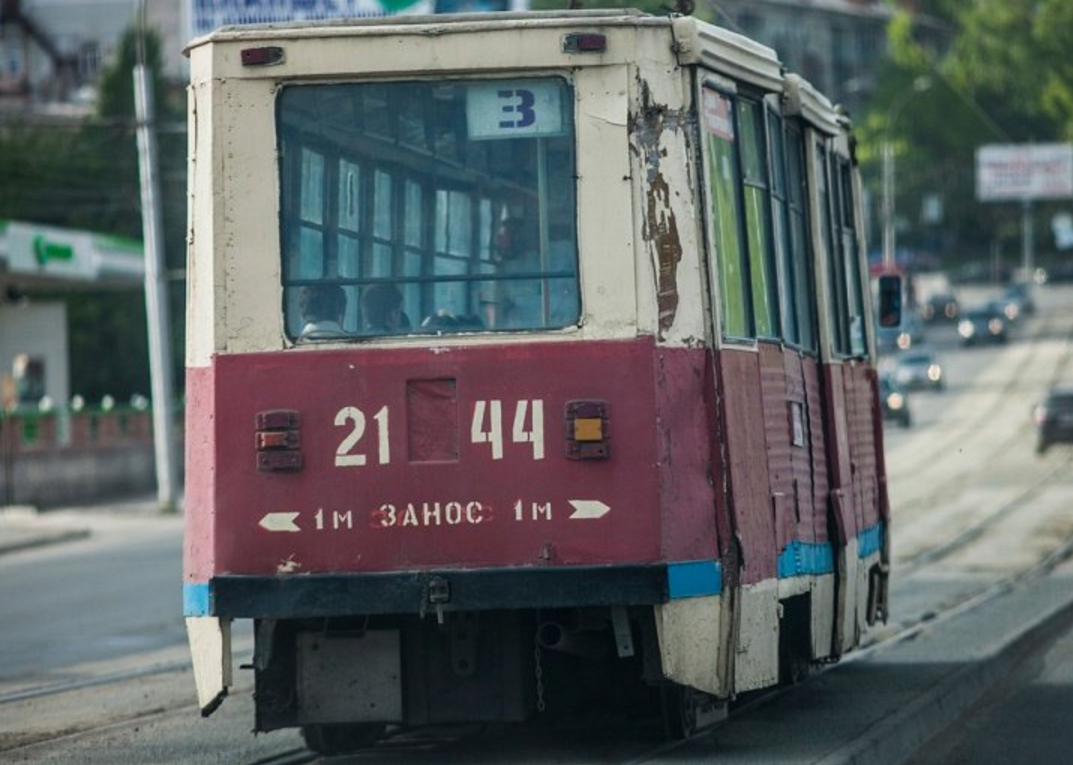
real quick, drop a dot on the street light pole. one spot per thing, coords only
(919, 85)
(156, 302)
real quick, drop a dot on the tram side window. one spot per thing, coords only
(758, 218)
(830, 209)
(724, 213)
(801, 251)
(780, 228)
(847, 231)
(431, 206)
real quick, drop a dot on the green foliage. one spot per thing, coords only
(1052, 30)
(108, 338)
(1006, 78)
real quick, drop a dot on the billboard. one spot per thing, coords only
(1024, 172)
(207, 15)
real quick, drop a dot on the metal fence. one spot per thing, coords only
(59, 457)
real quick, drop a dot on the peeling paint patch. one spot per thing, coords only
(288, 566)
(660, 228)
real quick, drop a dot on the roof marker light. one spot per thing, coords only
(266, 56)
(584, 43)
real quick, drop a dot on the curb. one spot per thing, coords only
(32, 539)
(898, 738)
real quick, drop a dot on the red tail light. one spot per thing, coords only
(278, 441)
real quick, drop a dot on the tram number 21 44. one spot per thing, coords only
(358, 446)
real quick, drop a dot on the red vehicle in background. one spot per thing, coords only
(524, 351)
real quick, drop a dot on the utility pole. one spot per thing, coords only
(156, 301)
(919, 85)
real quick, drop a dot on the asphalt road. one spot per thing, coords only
(113, 593)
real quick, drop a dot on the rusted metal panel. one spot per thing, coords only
(511, 497)
(838, 453)
(742, 409)
(809, 466)
(862, 420)
(687, 496)
(778, 435)
(819, 466)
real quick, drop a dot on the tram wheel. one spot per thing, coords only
(687, 710)
(340, 739)
(679, 710)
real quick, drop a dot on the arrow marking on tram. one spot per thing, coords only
(279, 522)
(585, 509)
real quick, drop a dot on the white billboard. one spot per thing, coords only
(207, 15)
(1024, 172)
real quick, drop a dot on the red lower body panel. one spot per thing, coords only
(418, 459)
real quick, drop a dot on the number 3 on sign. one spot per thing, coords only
(528, 426)
(354, 419)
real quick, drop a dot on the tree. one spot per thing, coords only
(1006, 78)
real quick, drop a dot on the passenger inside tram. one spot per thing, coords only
(381, 310)
(322, 307)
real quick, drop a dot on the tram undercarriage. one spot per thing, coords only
(345, 680)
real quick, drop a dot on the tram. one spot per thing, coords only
(530, 357)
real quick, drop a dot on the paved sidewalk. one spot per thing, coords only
(880, 707)
(24, 527)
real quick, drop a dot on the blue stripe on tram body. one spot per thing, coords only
(870, 541)
(803, 558)
(811, 558)
(692, 579)
(195, 600)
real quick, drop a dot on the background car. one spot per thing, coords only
(918, 369)
(894, 401)
(902, 337)
(942, 306)
(983, 324)
(1017, 301)
(1054, 419)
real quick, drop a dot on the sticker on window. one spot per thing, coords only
(514, 109)
(717, 118)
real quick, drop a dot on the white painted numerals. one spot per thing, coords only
(487, 427)
(346, 455)
(528, 426)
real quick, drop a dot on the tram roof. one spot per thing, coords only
(697, 42)
(706, 34)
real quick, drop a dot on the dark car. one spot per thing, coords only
(1054, 419)
(918, 369)
(894, 401)
(942, 306)
(901, 337)
(983, 324)
(1017, 301)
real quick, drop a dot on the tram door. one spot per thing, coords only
(848, 415)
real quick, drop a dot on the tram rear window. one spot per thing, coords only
(427, 206)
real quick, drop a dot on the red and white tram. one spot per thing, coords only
(521, 345)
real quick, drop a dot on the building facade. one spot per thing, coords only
(53, 51)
